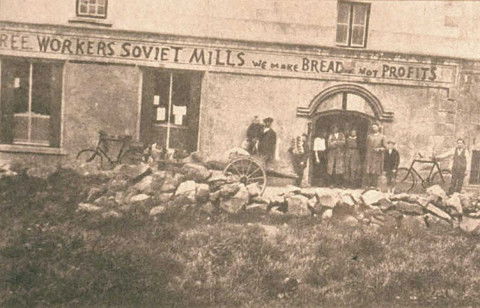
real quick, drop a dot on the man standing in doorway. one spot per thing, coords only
(320, 159)
(254, 132)
(268, 141)
(460, 165)
(374, 155)
(336, 156)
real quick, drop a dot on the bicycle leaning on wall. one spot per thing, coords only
(407, 178)
(101, 157)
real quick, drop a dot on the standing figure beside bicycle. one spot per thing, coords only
(460, 165)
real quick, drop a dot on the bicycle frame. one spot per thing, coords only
(102, 141)
(435, 165)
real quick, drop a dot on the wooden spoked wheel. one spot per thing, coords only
(247, 171)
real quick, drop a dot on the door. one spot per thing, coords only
(170, 109)
(345, 121)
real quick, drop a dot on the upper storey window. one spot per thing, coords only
(352, 23)
(92, 8)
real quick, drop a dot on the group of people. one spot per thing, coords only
(338, 155)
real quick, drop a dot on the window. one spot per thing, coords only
(170, 108)
(31, 94)
(352, 24)
(92, 8)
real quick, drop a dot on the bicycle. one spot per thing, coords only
(407, 177)
(129, 152)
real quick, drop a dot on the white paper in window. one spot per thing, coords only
(179, 112)
(156, 100)
(161, 113)
(16, 82)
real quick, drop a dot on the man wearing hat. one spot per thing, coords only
(390, 164)
(254, 132)
(268, 141)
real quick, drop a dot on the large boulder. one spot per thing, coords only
(470, 225)
(196, 172)
(437, 192)
(327, 197)
(186, 188)
(400, 197)
(253, 190)
(371, 197)
(467, 204)
(145, 185)
(186, 191)
(231, 189)
(438, 212)
(298, 205)
(454, 202)
(163, 197)
(170, 183)
(237, 202)
(385, 204)
(409, 208)
(140, 199)
(202, 193)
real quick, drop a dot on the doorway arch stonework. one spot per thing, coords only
(373, 102)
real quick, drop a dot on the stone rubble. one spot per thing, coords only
(192, 185)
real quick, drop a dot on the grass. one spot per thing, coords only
(51, 255)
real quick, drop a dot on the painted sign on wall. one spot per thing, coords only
(241, 60)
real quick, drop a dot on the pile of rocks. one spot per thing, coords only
(377, 209)
(189, 185)
(193, 185)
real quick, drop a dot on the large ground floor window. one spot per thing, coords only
(170, 108)
(31, 95)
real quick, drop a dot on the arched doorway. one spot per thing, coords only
(347, 107)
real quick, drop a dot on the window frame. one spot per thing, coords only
(16, 144)
(88, 15)
(350, 25)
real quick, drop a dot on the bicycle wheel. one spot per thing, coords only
(132, 156)
(247, 171)
(442, 178)
(92, 158)
(405, 180)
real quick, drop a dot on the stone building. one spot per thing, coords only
(192, 74)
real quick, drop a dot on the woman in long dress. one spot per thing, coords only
(374, 156)
(352, 159)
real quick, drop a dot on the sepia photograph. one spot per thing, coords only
(240, 153)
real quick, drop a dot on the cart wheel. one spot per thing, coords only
(437, 177)
(405, 180)
(93, 158)
(247, 171)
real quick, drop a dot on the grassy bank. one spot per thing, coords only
(52, 255)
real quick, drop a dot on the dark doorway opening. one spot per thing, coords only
(345, 121)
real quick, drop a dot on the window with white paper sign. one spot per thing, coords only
(170, 108)
(352, 23)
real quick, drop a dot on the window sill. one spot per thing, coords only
(90, 21)
(31, 149)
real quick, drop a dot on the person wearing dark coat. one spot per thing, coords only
(254, 132)
(391, 160)
(268, 141)
(300, 152)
